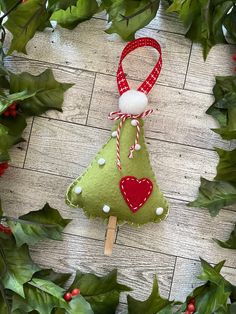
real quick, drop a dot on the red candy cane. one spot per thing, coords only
(145, 87)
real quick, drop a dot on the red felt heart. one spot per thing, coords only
(135, 191)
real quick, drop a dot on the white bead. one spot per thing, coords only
(78, 190)
(114, 134)
(101, 161)
(159, 211)
(106, 209)
(134, 122)
(133, 102)
(137, 147)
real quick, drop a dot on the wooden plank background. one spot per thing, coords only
(59, 146)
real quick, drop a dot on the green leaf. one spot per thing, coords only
(15, 126)
(214, 195)
(127, 17)
(101, 292)
(230, 23)
(60, 4)
(4, 305)
(6, 101)
(24, 21)
(48, 274)
(224, 107)
(154, 304)
(10, 136)
(38, 225)
(20, 267)
(204, 20)
(40, 295)
(226, 169)
(6, 5)
(230, 243)
(212, 297)
(48, 93)
(210, 273)
(74, 15)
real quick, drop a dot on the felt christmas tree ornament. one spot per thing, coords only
(120, 185)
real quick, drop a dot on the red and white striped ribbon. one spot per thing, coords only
(145, 87)
(117, 115)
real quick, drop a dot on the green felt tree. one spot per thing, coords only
(98, 190)
(120, 181)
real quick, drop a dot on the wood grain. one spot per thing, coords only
(23, 191)
(88, 47)
(187, 232)
(136, 267)
(77, 98)
(185, 280)
(180, 116)
(201, 75)
(67, 149)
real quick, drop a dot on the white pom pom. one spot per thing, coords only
(134, 122)
(106, 209)
(159, 211)
(137, 147)
(78, 189)
(114, 134)
(101, 161)
(133, 102)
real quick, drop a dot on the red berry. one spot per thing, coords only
(234, 57)
(75, 292)
(7, 231)
(3, 167)
(13, 113)
(13, 106)
(192, 301)
(67, 296)
(191, 307)
(187, 312)
(6, 113)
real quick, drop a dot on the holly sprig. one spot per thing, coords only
(221, 192)
(27, 288)
(205, 21)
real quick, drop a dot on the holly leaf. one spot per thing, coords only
(127, 17)
(4, 306)
(224, 107)
(61, 4)
(19, 266)
(204, 20)
(6, 5)
(214, 195)
(24, 21)
(226, 168)
(6, 101)
(154, 304)
(15, 126)
(40, 295)
(9, 137)
(81, 11)
(230, 243)
(59, 279)
(230, 23)
(37, 225)
(212, 297)
(48, 93)
(44, 296)
(102, 293)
